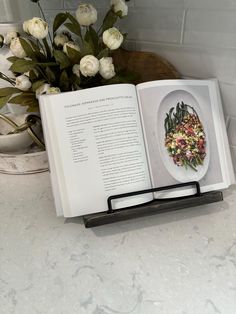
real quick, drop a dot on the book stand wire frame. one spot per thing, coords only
(156, 206)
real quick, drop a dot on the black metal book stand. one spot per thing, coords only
(156, 206)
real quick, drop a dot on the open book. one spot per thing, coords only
(122, 138)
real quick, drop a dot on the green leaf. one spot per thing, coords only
(64, 81)
(22, 66)
(37, 84)
(75, 80)
(48, 50)
(73, 55)
(103, 53)
(92, 38)
(33, 75)
(76, 24)
(50, 75)
(40, 56)
(1, 41)
(13, 59)
(25, 99)
(72, 28)
(61, 59)
(28, 49)
(109, 20)
(4, 100)
(58, 21)
(87, 49)
(6, 91)
(47, 64)
(34, 107)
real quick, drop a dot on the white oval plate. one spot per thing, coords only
(180, 173)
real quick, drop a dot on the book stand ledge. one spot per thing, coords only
(156, 206)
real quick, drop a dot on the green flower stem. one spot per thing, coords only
(40, 45)
(44, 17)
(5, 78)
(42, 73)
(99, 29)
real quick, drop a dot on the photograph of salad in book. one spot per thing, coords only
(123, 138)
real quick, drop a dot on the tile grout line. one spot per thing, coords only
(183, 27)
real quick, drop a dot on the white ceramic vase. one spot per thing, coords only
(17, 143)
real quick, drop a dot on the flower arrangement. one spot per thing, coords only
(74, 56)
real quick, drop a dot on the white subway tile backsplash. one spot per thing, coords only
(201, 45)
(201, 62)
(232, 131)
(233, 154)
(52, 4)
(210, 4)
(162, 25)
(228, 94)
(159, 3)
(211, 27)
(73, 4)
(50, 15)
(17, 10)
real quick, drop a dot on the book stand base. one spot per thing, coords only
(156, 206)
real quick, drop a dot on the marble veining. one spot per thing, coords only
(175, 263)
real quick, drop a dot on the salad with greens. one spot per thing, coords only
(185, 139)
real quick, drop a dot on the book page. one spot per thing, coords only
(54, 179)
(98, 147)
(183, 125)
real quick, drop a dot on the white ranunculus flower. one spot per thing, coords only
(86, 14)
(76, 70)
(25, 26)
(120, 5)
(53, 90)
(107, 69)
(38, 28)
(72, 45)
(42, 90)
(9, 36)
(112, 38)
(16, 48)
(89, 65)
(23, 83)
(61, 39)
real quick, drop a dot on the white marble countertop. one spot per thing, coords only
(181, 262)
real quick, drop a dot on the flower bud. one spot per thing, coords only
(70, 44)
(106, 68)
(61, 39)
(42, 90)
(112, 38)
(37, 27)
(53, 90)
(9, 36)
(23, 83)
(25, 26)
(89, 65)
(119, 6)
(76, 70)
(16, 48)
(86, 14)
